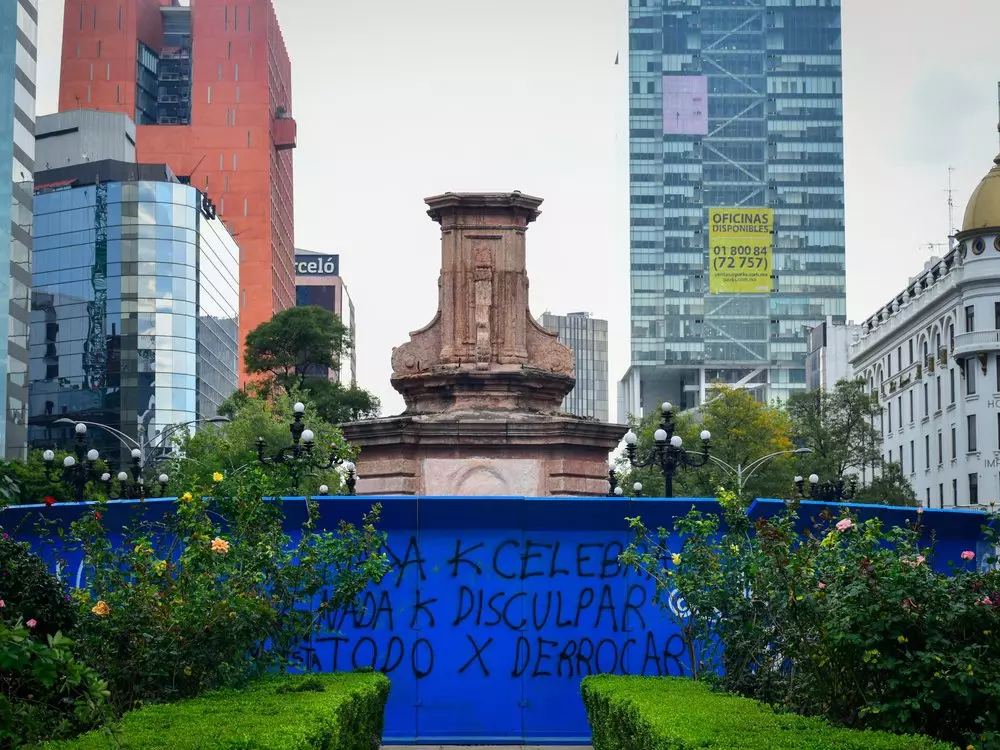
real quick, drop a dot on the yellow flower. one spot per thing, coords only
(217, 476)
(220, 545)
(675, 558)
(160, 566)
(101, 609)
(902, 639)
(187, 497)
(735, 548)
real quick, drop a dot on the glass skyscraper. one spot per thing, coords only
(18, 55)
(134, 319)
(736, 126)
(588, 338)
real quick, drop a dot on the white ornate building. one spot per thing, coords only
(933, 355)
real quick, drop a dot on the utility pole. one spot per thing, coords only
(951, 211)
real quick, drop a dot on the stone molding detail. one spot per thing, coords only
(483, 326)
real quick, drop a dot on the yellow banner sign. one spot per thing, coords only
(740, 242)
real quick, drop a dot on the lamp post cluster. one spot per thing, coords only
(841, 490)
(296, 455)
(668, 453)
(80, 470)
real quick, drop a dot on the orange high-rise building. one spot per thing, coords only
(209, 85)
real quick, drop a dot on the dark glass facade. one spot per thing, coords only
(134, 318)
(735, 105)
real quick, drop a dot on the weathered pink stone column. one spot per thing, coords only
(483, 382)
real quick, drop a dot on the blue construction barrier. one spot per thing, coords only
(496, 607)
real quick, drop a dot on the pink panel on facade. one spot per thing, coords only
(685, 105)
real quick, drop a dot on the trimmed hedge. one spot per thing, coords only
(672, 713)
(339, 711)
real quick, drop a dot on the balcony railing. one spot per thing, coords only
(976, 342)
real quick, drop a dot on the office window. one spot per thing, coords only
(890, 415)
(973, 489)
(913, 457)
(210, 100)
(954, 443)
(996, 315)
(941, 495)
(951, 374)
(230, 53)
(954, 492)
(940, 448)
(997, 363)
(910, 343)
(912, 415)
(927, 400)
(970, 378)
(971, 424)
(927, 495)
(902, 467)
(970, 318)
(927, 451)
(937, 385)
(246, 206)
(899, 410)
(899, 357)
(100, 46)
(236, 72)
(119, 18)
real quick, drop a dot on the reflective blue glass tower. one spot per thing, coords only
(735, 109)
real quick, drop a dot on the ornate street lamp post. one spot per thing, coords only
(82, 469)
(668, 454)
(78, 471)
(842, 490)
(296, 455)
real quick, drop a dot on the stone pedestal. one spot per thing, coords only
(483, 382)
(520, 455)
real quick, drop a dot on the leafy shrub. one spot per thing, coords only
(214, 592)
(29, 593)
(45, 692)
(846, 620)
(669, 713)
(346, 714)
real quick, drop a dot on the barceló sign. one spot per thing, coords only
(317, 265)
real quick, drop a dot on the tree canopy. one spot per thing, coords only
(292, 350)
(743, 430)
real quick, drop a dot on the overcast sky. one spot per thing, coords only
(397, 100)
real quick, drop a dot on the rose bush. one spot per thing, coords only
(45, 692)
(843, 619)
(29, 593)
(215, 591)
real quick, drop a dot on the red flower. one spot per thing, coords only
(97, 515)
(49, 500)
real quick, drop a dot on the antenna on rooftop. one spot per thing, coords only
(951, 210)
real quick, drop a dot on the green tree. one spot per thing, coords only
(743, 431)
(231, 447)
(296, 344)
(890, 487)
(838, 425)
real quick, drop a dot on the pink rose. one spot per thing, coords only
(845, 524)
(822, 585)
(920, 509)
(968, 555)
(31, 623)
(2, 604)
(986, 601)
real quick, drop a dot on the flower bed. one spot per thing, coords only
(342, 711)
(653, 713)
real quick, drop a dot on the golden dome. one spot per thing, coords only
(983, 211)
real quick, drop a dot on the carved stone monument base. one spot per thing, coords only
(473, 454)
(483, 382)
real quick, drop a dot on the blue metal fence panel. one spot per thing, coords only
(496, 607)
